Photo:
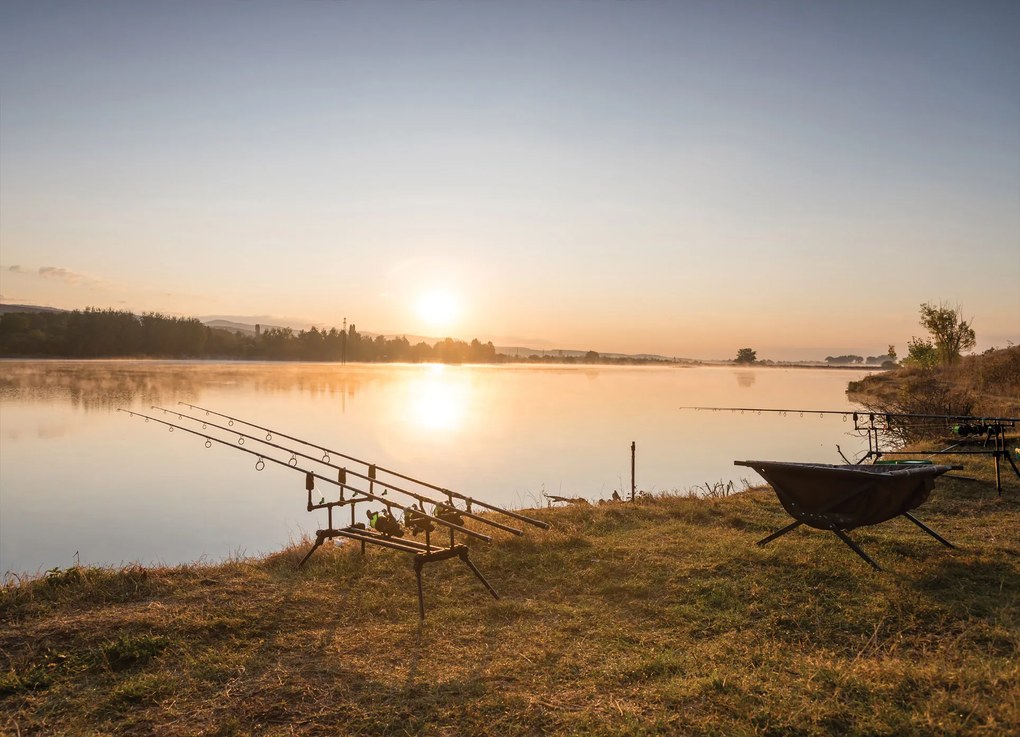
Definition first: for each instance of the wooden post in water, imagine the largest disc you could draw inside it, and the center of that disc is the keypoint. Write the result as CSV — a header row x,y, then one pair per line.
x,y
633,483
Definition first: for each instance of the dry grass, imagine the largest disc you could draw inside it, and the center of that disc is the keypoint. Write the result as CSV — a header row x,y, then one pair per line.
x,y
987,384
659,617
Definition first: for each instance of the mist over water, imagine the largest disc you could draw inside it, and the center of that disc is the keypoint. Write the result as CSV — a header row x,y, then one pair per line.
x,y
81,481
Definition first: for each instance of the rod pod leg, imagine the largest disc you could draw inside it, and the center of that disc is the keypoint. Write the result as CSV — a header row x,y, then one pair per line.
x,y
1016,470
474,570
418,563
319,540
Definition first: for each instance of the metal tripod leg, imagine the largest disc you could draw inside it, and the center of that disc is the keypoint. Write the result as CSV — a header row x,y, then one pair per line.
x,y
857,549
474,570
779,533
319,540
927,529
421,595
1015,469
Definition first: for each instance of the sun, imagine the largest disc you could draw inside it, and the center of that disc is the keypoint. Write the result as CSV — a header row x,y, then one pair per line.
x,y
438,308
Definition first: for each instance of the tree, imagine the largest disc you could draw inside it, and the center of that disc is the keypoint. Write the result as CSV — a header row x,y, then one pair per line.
x,y
950,333
746,355
921,353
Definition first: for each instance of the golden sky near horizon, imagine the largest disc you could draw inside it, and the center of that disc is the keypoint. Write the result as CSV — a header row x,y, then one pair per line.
x,y
673,178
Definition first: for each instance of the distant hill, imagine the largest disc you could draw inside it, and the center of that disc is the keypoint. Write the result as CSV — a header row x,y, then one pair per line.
x,y
27,308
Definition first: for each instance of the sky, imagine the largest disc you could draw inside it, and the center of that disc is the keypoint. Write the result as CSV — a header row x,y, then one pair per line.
x,y
681,178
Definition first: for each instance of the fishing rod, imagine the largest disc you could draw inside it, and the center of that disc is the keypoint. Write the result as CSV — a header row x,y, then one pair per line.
x,y
329,451
859,412
771,409
312,475
875,424
297,453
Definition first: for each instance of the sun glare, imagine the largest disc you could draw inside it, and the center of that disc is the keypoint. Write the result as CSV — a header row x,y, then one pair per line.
x,y
438,308
439,403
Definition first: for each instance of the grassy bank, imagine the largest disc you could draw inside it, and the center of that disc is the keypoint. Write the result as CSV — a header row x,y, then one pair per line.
x,y
648,618
986,385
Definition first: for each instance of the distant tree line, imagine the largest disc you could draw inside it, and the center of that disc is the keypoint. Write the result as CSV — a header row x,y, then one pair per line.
x,y
852,359
106,333
94,333
589,357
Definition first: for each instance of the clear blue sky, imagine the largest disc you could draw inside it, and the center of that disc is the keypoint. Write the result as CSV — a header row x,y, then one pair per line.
x,y
677,177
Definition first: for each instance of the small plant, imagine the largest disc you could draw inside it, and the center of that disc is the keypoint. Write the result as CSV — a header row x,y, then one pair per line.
x,y
922,354
716,490
144,688
58,576
30,679
129,650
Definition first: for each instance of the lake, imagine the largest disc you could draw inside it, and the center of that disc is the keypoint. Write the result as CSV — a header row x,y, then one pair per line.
x,y
81,482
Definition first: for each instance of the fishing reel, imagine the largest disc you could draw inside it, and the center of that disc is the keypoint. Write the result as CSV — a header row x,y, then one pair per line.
x,y
417,522
967,429
449,514
385,523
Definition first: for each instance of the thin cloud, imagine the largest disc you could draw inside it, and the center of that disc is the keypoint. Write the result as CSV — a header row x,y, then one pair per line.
x,y
67,276
16,269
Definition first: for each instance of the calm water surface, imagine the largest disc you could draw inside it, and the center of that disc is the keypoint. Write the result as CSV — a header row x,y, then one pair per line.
x,y
80,481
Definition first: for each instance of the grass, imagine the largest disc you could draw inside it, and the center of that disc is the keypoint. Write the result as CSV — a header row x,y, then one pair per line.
x,y
987,385
657,617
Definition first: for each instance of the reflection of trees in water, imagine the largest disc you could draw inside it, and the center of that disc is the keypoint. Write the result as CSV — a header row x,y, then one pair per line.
x,y
106,385
745,379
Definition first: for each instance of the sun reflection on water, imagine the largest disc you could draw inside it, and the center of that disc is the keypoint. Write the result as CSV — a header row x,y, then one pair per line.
x,y
439,402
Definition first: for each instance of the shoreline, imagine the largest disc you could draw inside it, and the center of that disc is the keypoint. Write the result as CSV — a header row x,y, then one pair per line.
x,y
683,363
